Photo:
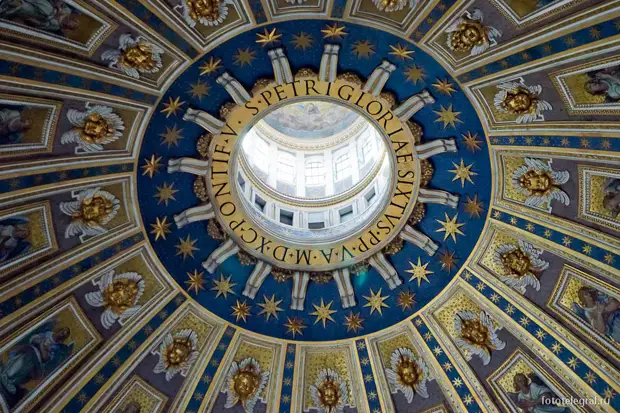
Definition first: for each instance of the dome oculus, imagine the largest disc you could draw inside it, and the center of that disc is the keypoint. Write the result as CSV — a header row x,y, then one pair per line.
x,y
251,231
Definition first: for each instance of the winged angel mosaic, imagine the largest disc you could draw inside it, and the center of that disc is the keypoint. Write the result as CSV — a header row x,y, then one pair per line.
x,y
93,128
540,183
477,335
408,374
394,5
119,295
90,212
329,392
205,12
177,353
134,56
522,265
517,98
244,384
468,34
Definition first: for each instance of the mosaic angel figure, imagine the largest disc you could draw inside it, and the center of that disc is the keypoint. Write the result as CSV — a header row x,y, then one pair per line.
x,y
329,392
394,5
244,384
522,265
408,374
205,12
177,353
90,212
477,335
92,129
134,56
468,34
600,310
540,183
32,360
119,295
13,127
516,98
54,16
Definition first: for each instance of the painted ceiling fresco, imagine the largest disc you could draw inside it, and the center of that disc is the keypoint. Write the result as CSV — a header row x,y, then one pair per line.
x,y
132,280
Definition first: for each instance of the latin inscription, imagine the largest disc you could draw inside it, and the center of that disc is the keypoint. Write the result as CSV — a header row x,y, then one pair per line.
x,y
380,232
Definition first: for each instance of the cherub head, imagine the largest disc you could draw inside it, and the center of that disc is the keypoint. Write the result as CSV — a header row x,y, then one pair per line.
x,y
537,182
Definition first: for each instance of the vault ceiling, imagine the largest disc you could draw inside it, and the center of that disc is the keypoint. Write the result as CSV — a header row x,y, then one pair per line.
x,y
133,279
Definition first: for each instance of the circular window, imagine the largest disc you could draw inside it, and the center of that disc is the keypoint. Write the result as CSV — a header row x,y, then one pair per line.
x,y
313,171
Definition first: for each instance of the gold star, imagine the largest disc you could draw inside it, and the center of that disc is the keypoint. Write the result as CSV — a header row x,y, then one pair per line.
x,y
165,193
172,136
365,361
151,167
524,321
530,227
244,57
196,281
497,215
419,271
294,326
376,301
186,247
172,107
445,87
268,37
448,260
590,377
606,144
547,233
473,206
609,258
241,311
437,350
363,49
448,117
450,227
361,345
160,228
587,249
210,67
567,241
405,300
334,31
468,399
353,321
556,348
457,382
480,286
286,399
447,366
495,297
509,309
513,221
463,172
302,41
199,90
367,378
270,307
540,334
472,142
223,286
570,41
564,142
413,73
428,336
323,312
573,362
401,52
608,393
